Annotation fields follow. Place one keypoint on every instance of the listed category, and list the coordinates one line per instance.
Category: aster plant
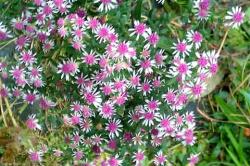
(118, 99)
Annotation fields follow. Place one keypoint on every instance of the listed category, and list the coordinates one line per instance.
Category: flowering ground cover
(115, 82)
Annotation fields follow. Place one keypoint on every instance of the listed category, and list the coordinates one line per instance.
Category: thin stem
(223, 42)
(10, 112)
(1, 105)
(9, 108)
(241, 84)
(8, 43)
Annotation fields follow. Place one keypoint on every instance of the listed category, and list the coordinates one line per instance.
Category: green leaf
(137, 10)
(233, 157)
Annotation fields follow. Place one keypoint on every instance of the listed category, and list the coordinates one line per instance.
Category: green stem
(3, 116)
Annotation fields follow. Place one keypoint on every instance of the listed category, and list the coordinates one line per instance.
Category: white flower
(235, 17)
(106, 5)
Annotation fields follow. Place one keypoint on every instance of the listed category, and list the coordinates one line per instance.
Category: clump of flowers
(115, 90)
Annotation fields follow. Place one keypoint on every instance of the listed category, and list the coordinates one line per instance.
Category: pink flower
(103, 31)
(78, 155)
(195, 37)
(153, 105)
(106, 5)
(45, 103)
(149, 117)
(113, 127)
(152, 38)
(159, 159)
(35, 156)
(193, 159)
(139, 29)
(107, 110)
(30, 97)
(32, 123)
(180, 68)
(181, 48)
(235, 17)
(68, 68)
(92, 97)
(138, 157)
(90, 58)
(76, 107)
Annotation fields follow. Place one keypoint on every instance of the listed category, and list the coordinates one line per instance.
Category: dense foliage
(110, 82)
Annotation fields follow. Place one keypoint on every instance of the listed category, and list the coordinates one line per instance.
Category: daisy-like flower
(78, 45)
(90, 58)
(180, 68)
(106, 5)
(78, 33)
(181, 48)
(80, 80)
(68, 68)
(160, 1)
(193, 159)
(34, 72)
(114, 161)
(201, 62)
(167, 126)
(159, 158)
(17, 72)
(138, 139)
(32, 123)
(107, 89)
(149, 117)
(138, 157)
(76, 106)
(92, 23)
(213, 62)
(4, 33)
(139, 29)
(195, 38)
(153, 105)
(87, 112)
(121, 98)
(152, 38)
(76, 138)
(57, 153)
(146, 65)
(235, 17)
(18, 23)
(92, 97)
(78, 155)
(119, 85)
(159, 58)
(97, 139)
(103, 31)
(35, 156)
(30, 97)
(86, 125)
(202, 9)
(48, 45)
(114, 127)
(4, 91)
(75, 119)
(27, 57)
(16, 92)
(134, 117)
(63, 32)
(45, 103)
(134, 80)
(37, 83)
(145, 87)
(107, 110)
(196, 88)
(22, 42)
(188, 136)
